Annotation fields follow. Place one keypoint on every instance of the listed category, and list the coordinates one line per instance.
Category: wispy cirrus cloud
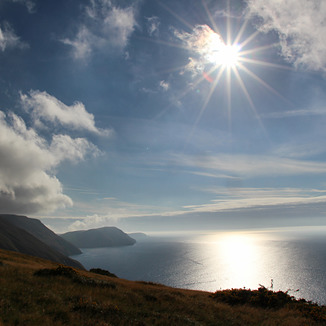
(247, 165)
(301, 28)
(106, 26)
(295, 113)
(153, 24)
(243, 198)
(8, 38)
(46, 108)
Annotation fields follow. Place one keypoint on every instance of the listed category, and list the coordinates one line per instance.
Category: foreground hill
(40, 231)
(101, 237)
(34, 291)
(16, 239)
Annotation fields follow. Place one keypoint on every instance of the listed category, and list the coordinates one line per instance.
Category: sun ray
(215, 28)
(248, 39)
(203, 108)
(249, 99)
(264, 63)
(176, 15)
(262, 82)
(229, 98)
(241, 31)
(256, 49)
(228, 28)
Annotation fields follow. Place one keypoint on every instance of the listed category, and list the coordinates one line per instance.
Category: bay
(287, 259)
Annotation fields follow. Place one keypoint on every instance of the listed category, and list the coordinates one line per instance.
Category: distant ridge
(36, 228)
(16, 239)
(101, 237)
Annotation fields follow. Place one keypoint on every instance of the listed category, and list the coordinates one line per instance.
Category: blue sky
(171, 115)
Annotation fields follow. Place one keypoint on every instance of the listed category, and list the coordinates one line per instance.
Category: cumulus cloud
(46, 108)
(106, 26)
(28, 161)
(301, 27)
(8, 38)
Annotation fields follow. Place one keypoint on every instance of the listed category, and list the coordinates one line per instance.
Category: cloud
(30, 5)
(26, 184)
(199, 42)
(105, 27)
(8, 38)
(249, 165)
(241, 198)
(28, 162)
(153, 24)
(295, 113)
(164, 85)
(301, 28)
(82, 44)
(46, 108)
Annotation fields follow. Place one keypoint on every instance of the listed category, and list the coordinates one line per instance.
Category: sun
(226, 55)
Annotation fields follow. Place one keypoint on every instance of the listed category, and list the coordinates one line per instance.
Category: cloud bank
(301, 28)
(28, 161)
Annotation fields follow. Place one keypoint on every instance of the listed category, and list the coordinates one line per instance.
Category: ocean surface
(287, 259)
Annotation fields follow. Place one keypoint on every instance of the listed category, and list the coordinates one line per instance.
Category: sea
(288, 259)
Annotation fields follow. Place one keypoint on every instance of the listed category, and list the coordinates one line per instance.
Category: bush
(102, 272)
(262, 297)
(61, 270)
(71, 273)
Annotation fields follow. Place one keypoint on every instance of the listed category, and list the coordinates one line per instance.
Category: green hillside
(34, 291)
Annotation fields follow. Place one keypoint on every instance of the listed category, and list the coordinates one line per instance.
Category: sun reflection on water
(240, 256)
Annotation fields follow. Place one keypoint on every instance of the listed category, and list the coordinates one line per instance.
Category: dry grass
(36, 292)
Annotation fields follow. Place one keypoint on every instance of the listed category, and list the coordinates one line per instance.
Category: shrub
(71, 273)
(262, 297)
(61, 270)
(102, 272)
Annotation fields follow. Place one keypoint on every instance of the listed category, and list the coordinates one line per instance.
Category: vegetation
(34, 291)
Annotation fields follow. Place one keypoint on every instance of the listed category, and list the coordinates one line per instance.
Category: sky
(163, 115)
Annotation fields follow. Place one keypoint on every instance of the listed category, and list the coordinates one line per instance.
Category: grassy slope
(92, 299)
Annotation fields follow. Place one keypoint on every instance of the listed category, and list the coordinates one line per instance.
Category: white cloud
(46, 108)
(250, 165)
(82, 44)
(164, 85)
(153, 24)
(26, 184)
(301, 27)
(199, 42)
(106, 27)
(28, 161)
(8, 38)
(295, 113)
(242, 198)
(119, 24)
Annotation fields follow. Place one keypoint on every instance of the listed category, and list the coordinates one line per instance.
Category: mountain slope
(96, 238)
(16, 239)
(40, 231)
(36, 292)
